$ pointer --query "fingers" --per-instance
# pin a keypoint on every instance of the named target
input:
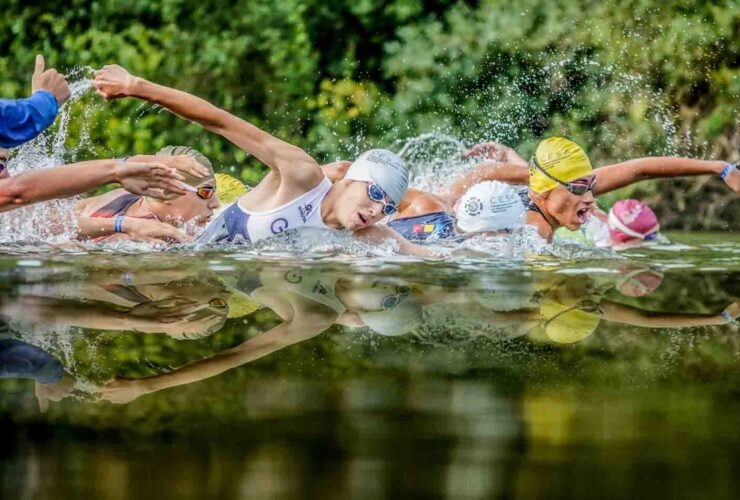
(39, 65)
(190, 166)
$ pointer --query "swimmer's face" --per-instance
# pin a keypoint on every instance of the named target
(191, 207)
(570, 210)
(354, 208)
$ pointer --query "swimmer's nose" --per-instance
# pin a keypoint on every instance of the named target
(213, 203)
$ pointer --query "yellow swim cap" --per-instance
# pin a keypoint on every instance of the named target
(241, 304)
(562, 159)
(229, 189)
(567, 324)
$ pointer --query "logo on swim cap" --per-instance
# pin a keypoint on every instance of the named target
(384, 168)
(473, 206)
(279, 225)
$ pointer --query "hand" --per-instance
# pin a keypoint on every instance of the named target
(121, 391)
(51, 81)
(151, 231)
(169, 310)
(53, 392)
(113, 82)
(182, 163)
(150, 179)
(733, 310)
(496, 152)
(733, 180)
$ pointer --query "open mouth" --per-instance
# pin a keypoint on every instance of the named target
(582, 215)
(363, 220)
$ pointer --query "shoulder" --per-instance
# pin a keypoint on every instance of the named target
(93, 203)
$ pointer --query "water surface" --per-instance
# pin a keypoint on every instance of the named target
(237, 375)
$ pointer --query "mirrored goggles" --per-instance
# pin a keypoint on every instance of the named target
(578, 186)
(376, 193)
(203, 192)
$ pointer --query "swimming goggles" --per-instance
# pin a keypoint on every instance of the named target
(3, 164)
(392, 301)
(203, 192)
(376, 193)
(588, 306)
(578, 187)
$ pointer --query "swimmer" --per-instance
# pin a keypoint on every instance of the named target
(563, 184)
(550, 202)
(628, 224)
(156, 177)
(145, 218)
(296, 193)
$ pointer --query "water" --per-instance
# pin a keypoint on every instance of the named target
(227, 375)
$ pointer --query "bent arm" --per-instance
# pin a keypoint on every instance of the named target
(273, 152)
(378, 234)
(510, 173)
(21, 120)
(59, 182)
(623, 174)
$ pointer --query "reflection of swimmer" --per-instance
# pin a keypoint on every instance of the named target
(308, 303)
(179, 304)
(573, 308)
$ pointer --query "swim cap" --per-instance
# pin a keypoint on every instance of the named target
(489, 206)
(384, 168)
(229, 189)
(561, 158)
(632, 219)
(566, 324)
(403, 318)
(195, 154)
(638, 281)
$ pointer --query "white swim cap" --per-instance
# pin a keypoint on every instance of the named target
(397, 321)
(384, 168)
(489, 206)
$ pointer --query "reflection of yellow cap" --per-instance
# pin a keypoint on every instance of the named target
(229, 189)
(240, 304)
(567, 324)
(562, 159)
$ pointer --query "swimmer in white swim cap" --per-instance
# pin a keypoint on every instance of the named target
(295, 193)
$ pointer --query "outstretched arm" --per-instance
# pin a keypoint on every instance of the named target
(620, 313)
(114, 81)
(623, 174)
(70, 180)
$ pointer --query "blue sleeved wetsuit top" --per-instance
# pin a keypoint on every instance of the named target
(23, 119)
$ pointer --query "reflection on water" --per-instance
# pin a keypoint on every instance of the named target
(246, 378)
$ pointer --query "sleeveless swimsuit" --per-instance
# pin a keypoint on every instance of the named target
(119, 206)
(529, 205)
(439, 225)
(315, 286)
(240, 226)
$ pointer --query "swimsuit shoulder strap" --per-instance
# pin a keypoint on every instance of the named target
(529, 205)
(116, 207)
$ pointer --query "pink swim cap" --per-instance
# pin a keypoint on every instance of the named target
(629, 219)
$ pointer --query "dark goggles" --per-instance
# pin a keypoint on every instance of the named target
(392, 301)
(376, 193)
(578, 187)
(3, 164)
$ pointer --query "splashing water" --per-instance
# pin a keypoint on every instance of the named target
(51, 222)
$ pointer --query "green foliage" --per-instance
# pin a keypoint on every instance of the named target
(635, 79)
